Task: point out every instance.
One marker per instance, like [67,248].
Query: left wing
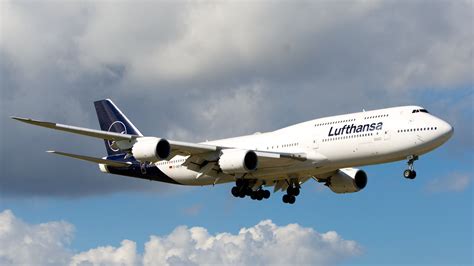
[178,147]
[78,130]
[200,154]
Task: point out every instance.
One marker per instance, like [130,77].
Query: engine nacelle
[235,161]
[348,180]
[150,149]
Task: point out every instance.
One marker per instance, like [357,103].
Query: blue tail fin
[113,120]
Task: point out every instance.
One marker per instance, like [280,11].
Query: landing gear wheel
[410,174]
[291,199]
[235,191]
[286,198]
[289,190]
[260,195]
[266,194]
[296,191]
[248,191]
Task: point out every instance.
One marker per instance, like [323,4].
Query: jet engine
[347,180]
[150,149]
[236,161]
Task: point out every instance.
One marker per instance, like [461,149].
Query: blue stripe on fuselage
[152,172]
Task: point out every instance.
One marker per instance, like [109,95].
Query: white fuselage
[349,140]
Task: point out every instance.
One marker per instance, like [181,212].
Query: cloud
[456,182]
[257,245]
[262,244]
[39,244]
[193,210]
[126,254]
[210,70]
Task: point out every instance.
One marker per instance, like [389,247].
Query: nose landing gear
[410,173]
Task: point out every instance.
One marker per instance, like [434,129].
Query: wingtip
[51,151]
[21,119]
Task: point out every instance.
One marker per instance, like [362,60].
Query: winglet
[21,119]
[34,122]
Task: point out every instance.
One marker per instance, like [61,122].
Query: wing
[202,157]
[93,159]
[178,147]
[78,130]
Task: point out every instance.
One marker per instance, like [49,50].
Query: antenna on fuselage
[363,110]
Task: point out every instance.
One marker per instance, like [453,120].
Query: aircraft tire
[407,174]
[285,198]
[266,194]
[235,191]
[291,199]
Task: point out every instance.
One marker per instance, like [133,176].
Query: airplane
[326,150]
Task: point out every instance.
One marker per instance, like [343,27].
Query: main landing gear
[243,188]
[292,191]
[410,173]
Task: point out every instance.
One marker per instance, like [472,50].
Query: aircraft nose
[446,129]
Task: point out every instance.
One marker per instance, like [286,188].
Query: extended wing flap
[78,130]
[188,148]
[93,159]
[277,159]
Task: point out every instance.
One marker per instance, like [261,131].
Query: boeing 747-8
[325,149]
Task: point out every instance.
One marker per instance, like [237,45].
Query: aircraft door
[312,142]
[387,134]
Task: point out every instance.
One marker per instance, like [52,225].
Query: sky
[202,70]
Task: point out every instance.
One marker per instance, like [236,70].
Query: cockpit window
[420,110]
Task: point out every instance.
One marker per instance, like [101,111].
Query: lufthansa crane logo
[117,127]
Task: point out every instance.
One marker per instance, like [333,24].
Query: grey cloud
[202,70]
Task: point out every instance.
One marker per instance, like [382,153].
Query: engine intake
[149,149]
[348,180]
[235,161]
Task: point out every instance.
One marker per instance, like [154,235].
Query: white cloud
[126,254]
[262,244]
[455,182]
[39,244]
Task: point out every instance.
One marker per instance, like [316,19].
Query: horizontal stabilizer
[93,159]
[78,130]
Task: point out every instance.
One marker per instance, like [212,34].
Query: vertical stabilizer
[111,119]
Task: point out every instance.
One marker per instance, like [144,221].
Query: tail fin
[111,119]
